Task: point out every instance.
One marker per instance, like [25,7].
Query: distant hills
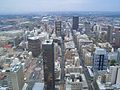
[70,13]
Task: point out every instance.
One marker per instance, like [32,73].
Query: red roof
[7,46]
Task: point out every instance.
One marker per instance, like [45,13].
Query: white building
[100,59]
[76,81]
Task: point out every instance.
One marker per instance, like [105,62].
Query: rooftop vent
[47,41]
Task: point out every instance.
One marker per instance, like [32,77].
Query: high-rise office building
[118,76]
[113,71]
[15,77]
[58,28]
[109,34]
[48,64]
[34,46]
[116,37]
[115,74]
[75,24]
[118,55]
[100,59]
[87,27]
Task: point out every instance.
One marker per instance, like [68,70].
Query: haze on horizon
[28,6]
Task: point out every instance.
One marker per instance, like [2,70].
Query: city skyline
[28,6]
[61,50]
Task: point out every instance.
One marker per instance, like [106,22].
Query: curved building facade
[34,46]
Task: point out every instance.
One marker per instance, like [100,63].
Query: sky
[28,6]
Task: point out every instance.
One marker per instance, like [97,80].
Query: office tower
[87,27]
[118,55]
[34,46]
[48,64]
[96,29]
[100,59]
[115,74]
[15,77]
[46,27]
[118,76]
[109,34]
[75,24]
[116,37]
[58,28]
[113,71]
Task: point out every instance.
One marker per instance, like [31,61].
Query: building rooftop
[101,86]
[76,81]
[74,78]
[119,49]
[38,86]
[15,68]
[85,40]
[100,51]
[69,45]
[3,88]
[33,38]
[50,41]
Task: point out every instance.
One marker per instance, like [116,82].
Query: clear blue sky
[26,6]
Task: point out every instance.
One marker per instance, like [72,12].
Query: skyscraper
[109,34]
[15,77]
[75,24]
[115,74]
[118,76]
[34,46]
[87,27]
[118,55]
[58,28]
[116,37]
[48,64]
[100,59]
